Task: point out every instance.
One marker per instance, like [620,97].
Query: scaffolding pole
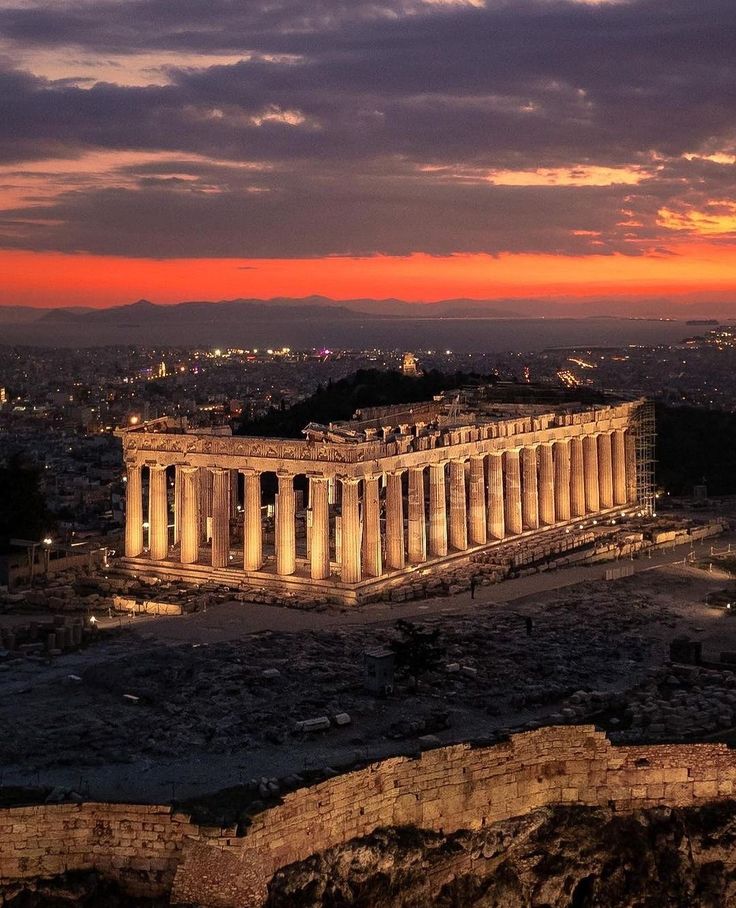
[645,438]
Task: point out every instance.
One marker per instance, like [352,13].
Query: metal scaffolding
[645,437]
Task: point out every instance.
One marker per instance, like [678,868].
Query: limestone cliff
[564,856]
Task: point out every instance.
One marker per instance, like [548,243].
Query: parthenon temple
[355,505]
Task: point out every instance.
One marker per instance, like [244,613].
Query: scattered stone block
[321,723]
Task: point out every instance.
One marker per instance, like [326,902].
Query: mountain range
[310,321]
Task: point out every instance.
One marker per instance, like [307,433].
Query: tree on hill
[23,512]
[365,388]
[417,650]
[694,446]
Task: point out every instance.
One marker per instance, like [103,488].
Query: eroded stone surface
[562,857]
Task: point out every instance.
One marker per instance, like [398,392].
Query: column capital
[186,468]
[218,471]
[156,466]
[396,471]
[317,477]
[249,471]
[349,480]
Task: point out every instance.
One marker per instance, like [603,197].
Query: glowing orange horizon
[54,279]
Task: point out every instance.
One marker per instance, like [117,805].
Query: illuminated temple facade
[356,505]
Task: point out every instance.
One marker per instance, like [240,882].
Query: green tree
[417,650]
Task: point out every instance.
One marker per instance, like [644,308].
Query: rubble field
[134,717]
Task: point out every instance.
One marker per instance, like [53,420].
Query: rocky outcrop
[561,857]
[71,890]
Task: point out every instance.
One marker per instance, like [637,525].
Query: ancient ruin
[395,491]
[156,852]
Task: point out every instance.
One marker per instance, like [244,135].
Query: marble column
[590,460]
[477,502]
[619,466]
[351,547]
[417,523]
[158,513]
[319,543]
[496,510]
[530,489]
[205,502]
[372,557]
[561,457]
[546,485]
[220,517]
[394,521]
[605,470]
[252,528]
[189,523]
[577,478]
[458,506]
[177,503]
[437,511]
[512,498]
[285,527]
[134,511]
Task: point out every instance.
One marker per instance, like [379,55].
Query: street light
[46,542]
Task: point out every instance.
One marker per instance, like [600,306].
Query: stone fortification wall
[149,850]
[449,789]
[138,846]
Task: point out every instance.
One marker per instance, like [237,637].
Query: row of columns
[490,496]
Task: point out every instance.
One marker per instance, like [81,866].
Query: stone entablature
[375,507]
[143,445]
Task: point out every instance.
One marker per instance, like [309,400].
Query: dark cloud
[376,132]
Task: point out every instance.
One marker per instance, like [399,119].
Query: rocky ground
[564,857]
[80,888]
[136,717]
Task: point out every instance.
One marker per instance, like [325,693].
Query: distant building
[410,365]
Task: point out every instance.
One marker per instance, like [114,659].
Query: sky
[422,149]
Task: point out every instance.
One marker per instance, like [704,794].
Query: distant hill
[312,321]
[248,322]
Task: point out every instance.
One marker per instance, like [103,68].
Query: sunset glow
[35,279]
[420,149]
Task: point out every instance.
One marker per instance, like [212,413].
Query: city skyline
[560,150]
